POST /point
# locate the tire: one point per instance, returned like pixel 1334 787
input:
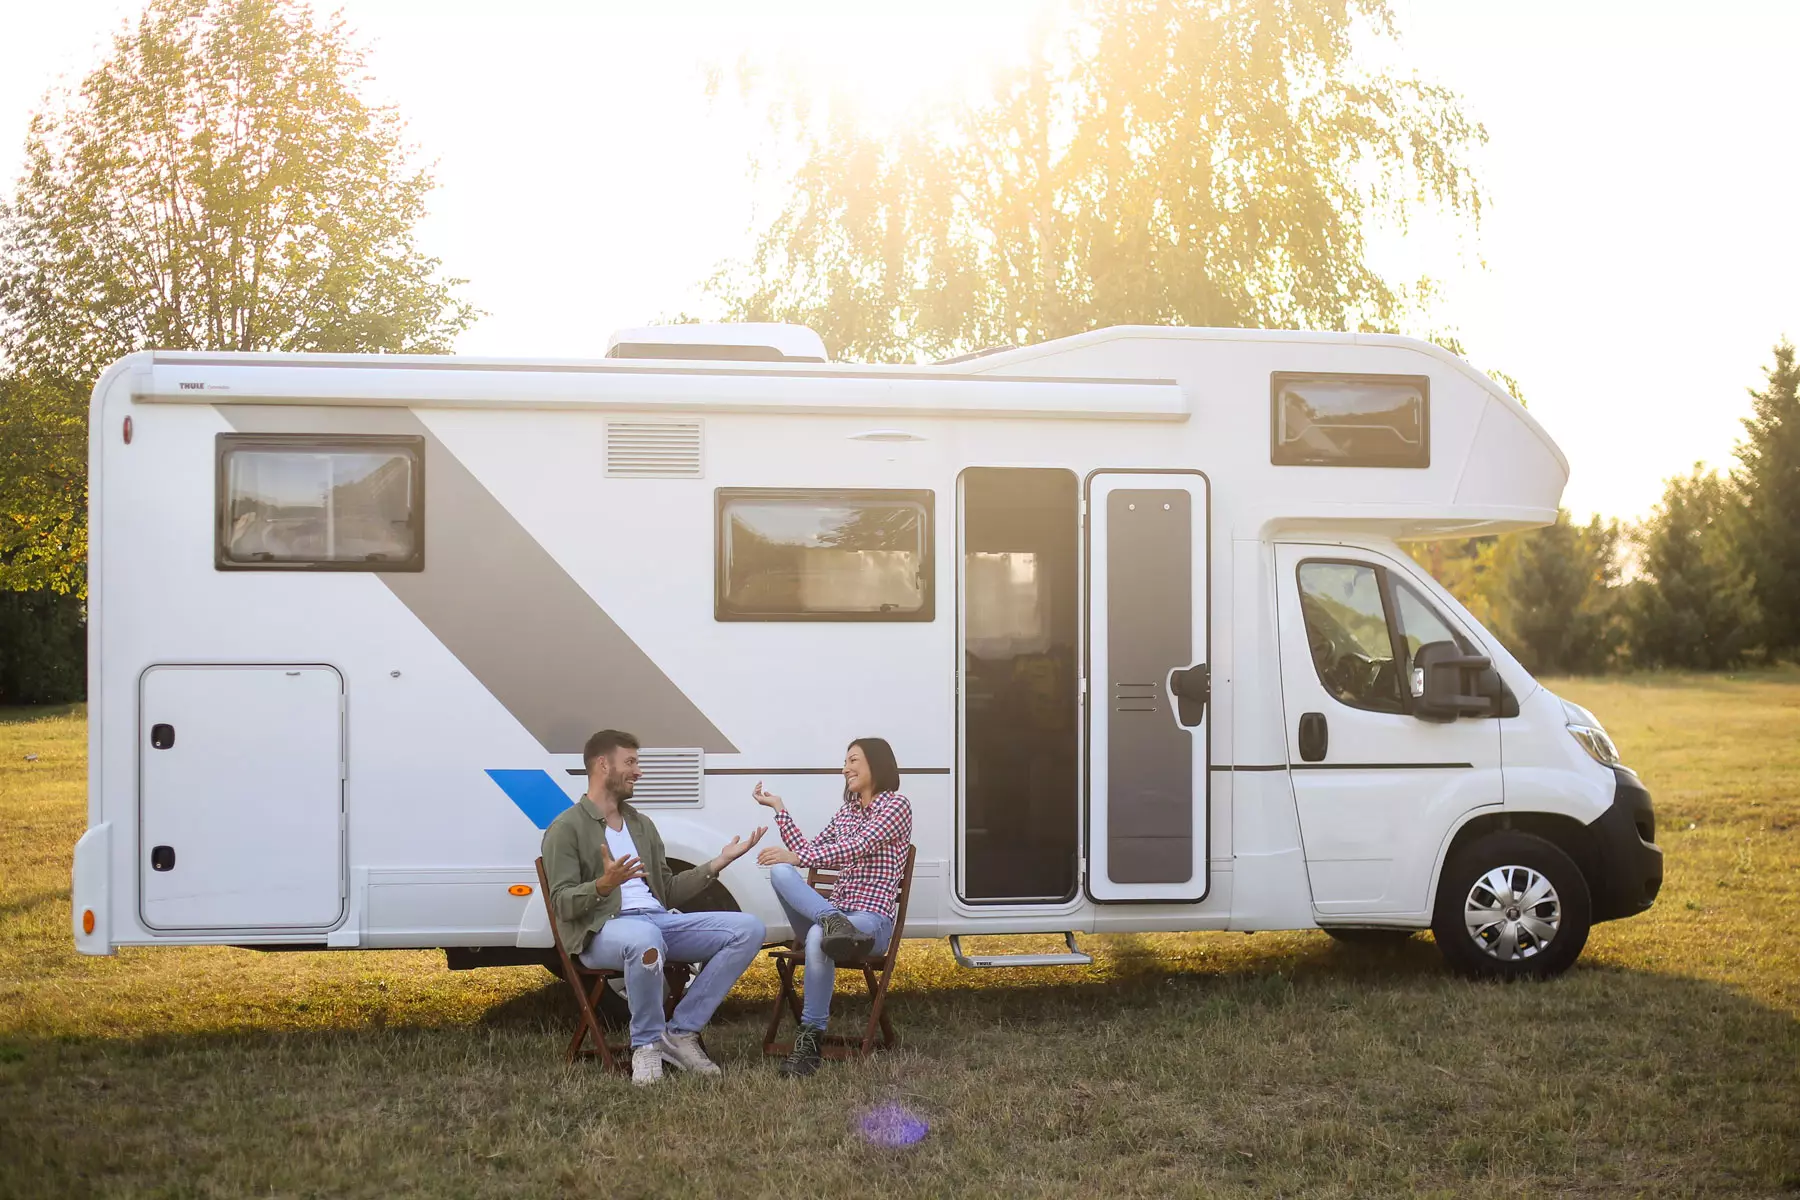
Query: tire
pixel 1488 924
pixel 1371 938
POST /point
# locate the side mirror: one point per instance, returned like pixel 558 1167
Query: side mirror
pixel 1448 684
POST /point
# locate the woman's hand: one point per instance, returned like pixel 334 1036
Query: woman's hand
pixel 775 855
pixel 767 799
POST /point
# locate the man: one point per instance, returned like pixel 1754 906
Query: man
pixel 616 907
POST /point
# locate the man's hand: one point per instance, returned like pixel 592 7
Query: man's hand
pixel 736 848
pixel 778 854
pixel 766 798
pixel 615 872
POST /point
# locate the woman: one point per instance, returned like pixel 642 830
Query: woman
pixel 865 843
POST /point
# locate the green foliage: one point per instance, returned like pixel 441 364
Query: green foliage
pixel 1549 594
pixel 1769 477
pixel 1695 606
pixel 1553 595
pixel 217 183
pixel 43 648
pixel 1176 162
pixel 43 487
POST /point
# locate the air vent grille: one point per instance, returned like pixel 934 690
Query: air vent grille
pixel 653 450
pixel 671 776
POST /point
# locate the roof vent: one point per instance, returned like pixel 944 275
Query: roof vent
pixel 671 776
pixel 653 450
pixel 750 341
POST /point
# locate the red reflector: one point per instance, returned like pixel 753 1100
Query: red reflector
pixel 128 431
pixel 87 914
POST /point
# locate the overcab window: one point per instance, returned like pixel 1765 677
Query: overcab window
pixel 1323 420
pixel 823 555
pixel 323 503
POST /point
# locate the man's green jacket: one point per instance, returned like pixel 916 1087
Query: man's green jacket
pixel 573 865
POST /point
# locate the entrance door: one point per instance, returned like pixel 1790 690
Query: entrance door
pixel 241 800
pixel 1147 709
pixel 1019 632
pixel 1378 788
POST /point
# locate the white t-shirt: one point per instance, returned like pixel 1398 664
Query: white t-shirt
pixel 634 895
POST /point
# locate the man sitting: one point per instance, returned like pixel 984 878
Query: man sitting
pixel 616 903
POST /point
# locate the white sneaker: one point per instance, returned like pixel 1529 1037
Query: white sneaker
pixel 683 1050
pixel 646 1064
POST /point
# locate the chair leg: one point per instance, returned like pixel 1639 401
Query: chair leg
pixel 783 999
pixel 589 1026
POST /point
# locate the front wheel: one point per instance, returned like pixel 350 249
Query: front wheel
pixel 1511 905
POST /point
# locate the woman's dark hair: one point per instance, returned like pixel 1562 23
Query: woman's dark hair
pixel 882 766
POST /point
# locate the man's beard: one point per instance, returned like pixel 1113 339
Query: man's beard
pixel 620 789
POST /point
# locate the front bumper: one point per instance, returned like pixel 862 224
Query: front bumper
pixel 1630 862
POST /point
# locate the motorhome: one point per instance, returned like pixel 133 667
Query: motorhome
pixel 1132 606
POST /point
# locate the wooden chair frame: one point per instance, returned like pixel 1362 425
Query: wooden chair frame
pixel 792 958
pixel 587 983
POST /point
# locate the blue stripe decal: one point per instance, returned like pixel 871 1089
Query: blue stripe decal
pixel 536 794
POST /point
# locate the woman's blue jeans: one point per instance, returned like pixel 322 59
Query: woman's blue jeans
pixel 805 908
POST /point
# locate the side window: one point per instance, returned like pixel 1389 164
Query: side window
pixel 1332 420
pixel 823 555
pixel 1419 625
pixel 310 502
pixel 1347 631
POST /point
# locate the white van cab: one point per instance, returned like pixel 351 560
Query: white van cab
pixel 1131 607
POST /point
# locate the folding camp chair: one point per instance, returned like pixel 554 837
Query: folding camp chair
pixel 587 983
pixel 791 958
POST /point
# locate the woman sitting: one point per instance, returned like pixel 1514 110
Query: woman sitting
pixel 865 842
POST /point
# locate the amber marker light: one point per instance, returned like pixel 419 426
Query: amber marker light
pixel 87 920
pixel 520 889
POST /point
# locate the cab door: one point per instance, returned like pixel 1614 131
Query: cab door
pixel 1378 788
pixel 1148 713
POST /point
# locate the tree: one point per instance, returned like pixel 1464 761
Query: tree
pixel 218 183
pixel 1769 476
pixel 1696 605
pixel 1202 162
pixel 1553 595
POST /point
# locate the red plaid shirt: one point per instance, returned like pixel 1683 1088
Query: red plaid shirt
pixel 867 847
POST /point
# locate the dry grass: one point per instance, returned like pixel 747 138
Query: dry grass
pixel 1666 1063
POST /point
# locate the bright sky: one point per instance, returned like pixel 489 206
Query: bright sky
pixel 1640 257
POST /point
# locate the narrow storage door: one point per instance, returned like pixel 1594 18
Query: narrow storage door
pixel 1147 703
pixel 242 798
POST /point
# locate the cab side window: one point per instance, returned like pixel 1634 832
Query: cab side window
pixel 1420 625
pixel 1348 632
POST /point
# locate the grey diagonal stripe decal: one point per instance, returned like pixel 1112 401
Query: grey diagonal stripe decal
pixel 507 609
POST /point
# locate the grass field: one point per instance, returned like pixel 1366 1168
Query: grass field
pixel 1666 1063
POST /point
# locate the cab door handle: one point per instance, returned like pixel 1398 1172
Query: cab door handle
pixel 1315 737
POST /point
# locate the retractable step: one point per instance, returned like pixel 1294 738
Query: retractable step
pixel 1074 958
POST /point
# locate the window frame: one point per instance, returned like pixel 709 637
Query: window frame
pixel 225 444
pixel 1280 457
pixel 924 497
pixel 1390 611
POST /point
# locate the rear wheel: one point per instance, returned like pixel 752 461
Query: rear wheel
pixel 1511 905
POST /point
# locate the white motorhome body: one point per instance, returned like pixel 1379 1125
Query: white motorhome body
pixel 1129 606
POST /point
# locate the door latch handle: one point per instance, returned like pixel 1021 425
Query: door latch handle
pixel 1192 688
pixel 1315 737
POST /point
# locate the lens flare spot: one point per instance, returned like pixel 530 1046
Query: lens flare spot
pixel 891 1125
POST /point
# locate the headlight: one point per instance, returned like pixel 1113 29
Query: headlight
pixel 1585 729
